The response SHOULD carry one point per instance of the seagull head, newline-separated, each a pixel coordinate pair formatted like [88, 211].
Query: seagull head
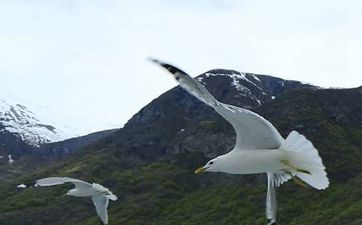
[210, 166]
[111, 196]
[105, 191]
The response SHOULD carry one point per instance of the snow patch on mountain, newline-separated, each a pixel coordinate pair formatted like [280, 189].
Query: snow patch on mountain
[235, 76]
[238, 81]
[17, 119]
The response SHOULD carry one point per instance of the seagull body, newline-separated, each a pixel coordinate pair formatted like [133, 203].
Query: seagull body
[100, 195]
[21, 186]
[249, 162]
[259, 147]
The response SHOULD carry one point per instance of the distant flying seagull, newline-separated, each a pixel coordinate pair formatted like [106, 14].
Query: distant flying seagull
[259, 146]
[21, 186]
[10, 159]
[100, 195]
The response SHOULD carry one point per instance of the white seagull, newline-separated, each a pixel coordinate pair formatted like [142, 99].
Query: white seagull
[100, 195]
[10, 159]
[259, 147]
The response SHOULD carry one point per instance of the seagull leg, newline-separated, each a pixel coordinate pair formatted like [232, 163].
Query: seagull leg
[296, 180]
[300, 170]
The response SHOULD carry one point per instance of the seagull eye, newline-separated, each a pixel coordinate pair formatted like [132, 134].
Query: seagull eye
[211, 163]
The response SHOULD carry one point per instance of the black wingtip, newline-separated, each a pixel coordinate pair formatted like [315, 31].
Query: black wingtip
[172, 69]
[159, 62]
[153, 60]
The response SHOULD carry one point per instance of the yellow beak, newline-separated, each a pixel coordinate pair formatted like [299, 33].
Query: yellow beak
[200, 170]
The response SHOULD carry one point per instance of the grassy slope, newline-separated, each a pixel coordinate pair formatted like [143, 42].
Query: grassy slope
[167, 192]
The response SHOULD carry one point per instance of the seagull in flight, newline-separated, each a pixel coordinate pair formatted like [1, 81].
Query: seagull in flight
[10, 159]
[100, 195]
[259, 147]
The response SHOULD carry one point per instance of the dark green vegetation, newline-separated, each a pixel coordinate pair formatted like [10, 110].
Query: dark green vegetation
[149, 165]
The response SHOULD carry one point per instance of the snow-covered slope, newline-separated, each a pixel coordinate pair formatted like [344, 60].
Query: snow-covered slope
[241, 82]
[18, 120]
[249, 89]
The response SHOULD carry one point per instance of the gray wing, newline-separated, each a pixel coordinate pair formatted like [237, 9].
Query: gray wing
[252, 130]
[271, 200]
[50, 181]
[101, 204]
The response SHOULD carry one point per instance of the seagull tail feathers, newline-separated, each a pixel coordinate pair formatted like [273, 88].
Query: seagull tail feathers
[304, 161]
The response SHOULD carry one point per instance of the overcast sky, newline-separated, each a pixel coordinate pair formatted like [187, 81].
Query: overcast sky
[84, 61]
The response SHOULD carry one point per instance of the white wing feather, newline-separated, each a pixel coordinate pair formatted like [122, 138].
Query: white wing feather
[50, 181]
[101, 204]
[252, 130]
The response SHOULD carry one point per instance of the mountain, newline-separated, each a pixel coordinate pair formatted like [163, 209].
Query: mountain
[57, 150]
[20, 129]
[24, 135]
[149, 163]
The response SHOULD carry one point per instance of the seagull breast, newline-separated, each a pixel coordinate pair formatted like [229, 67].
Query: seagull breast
[251, 162]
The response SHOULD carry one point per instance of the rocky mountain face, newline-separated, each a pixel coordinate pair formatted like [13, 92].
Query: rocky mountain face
[57, 150]
[149, 163]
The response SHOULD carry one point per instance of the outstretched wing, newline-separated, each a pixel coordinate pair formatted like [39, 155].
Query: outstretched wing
[50, 181]
[252, 130]
[101, 204]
